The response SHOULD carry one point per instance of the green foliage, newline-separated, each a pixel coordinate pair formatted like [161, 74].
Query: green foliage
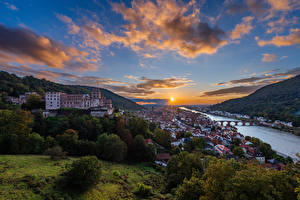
[35, 143]
[141, 151]
[55, 153]
[276, 101]
[116, 173]
[162, 137]
[229, 180]
[37, 177]
[238, 151]
[181, 166]
[266, 149]
[84, 173]
[14, 130]
[68, 141]
[111, 147]
[216, 175]
[15, 122]
[297, 190]
[139, 126]
[195, 143]
[123, 132]
[190, 189]
[143, 190]
[34, 101]
[257, 183]
[86, 148]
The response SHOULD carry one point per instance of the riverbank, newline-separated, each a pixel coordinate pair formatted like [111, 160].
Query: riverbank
[282, 142]
[294, 130]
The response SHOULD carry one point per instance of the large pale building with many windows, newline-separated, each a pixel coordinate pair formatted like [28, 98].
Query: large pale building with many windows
[57, 100]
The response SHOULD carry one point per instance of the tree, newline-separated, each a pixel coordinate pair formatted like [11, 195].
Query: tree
[181, 166]
[84, 173]
[35, 143]
[15, 122]
[111, 147]
[297, 190]
[162, 137]
[86, 148]
[34, 101]
[195, 143]
[266, 149]
[254, 182]
[190, 189]
[68, 141]
[139, 126]
[123, 132]
[141, 151]
[218, 172]
[238, 151]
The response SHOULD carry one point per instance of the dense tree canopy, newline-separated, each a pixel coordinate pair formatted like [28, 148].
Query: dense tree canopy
[111, 147]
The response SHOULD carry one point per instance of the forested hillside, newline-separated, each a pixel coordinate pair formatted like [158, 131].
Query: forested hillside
[13, 85]
[276, 101]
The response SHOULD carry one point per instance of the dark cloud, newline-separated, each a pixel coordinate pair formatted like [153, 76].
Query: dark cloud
[243, 80]
[267, 78]
[24, 46]
[163, 83]
[232, 90]
[129, 90]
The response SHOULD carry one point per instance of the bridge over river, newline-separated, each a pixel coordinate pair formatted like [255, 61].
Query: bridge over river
[235, 123]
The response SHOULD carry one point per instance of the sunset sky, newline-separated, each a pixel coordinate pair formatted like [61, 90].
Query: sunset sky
[197, 52]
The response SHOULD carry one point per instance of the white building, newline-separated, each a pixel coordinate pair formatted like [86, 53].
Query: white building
[53, 100]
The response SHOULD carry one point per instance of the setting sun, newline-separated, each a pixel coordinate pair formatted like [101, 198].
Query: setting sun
[172, 99]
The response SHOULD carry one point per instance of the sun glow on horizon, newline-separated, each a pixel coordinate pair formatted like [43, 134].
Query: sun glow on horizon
[172, 99]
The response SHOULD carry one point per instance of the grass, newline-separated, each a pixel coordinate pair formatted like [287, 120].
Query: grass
[36, 177]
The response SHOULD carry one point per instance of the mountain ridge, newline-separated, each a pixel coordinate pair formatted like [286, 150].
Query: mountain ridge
[275, 101]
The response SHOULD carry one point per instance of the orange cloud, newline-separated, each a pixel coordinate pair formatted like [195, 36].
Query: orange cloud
[268, 57]
[23, 46]
[173, 82]
[291, 39]
[243, 28]
[164, 25]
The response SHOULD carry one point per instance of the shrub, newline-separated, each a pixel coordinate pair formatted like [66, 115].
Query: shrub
[143, 190]
[55, 152]
[116, 173]
[83, 173]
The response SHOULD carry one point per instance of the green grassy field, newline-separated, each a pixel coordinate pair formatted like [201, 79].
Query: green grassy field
[37, 177]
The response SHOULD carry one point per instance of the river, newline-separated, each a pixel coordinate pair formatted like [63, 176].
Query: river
[282, 142]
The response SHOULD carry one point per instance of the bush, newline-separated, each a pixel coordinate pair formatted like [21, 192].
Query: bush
[83, 173]
[116, 173]
[143, 190]
[55, 152]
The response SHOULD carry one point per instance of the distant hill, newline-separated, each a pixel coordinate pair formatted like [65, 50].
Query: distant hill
[276, 101]
[13, 85]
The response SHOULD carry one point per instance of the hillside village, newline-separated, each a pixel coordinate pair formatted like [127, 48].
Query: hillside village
[218, 139]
